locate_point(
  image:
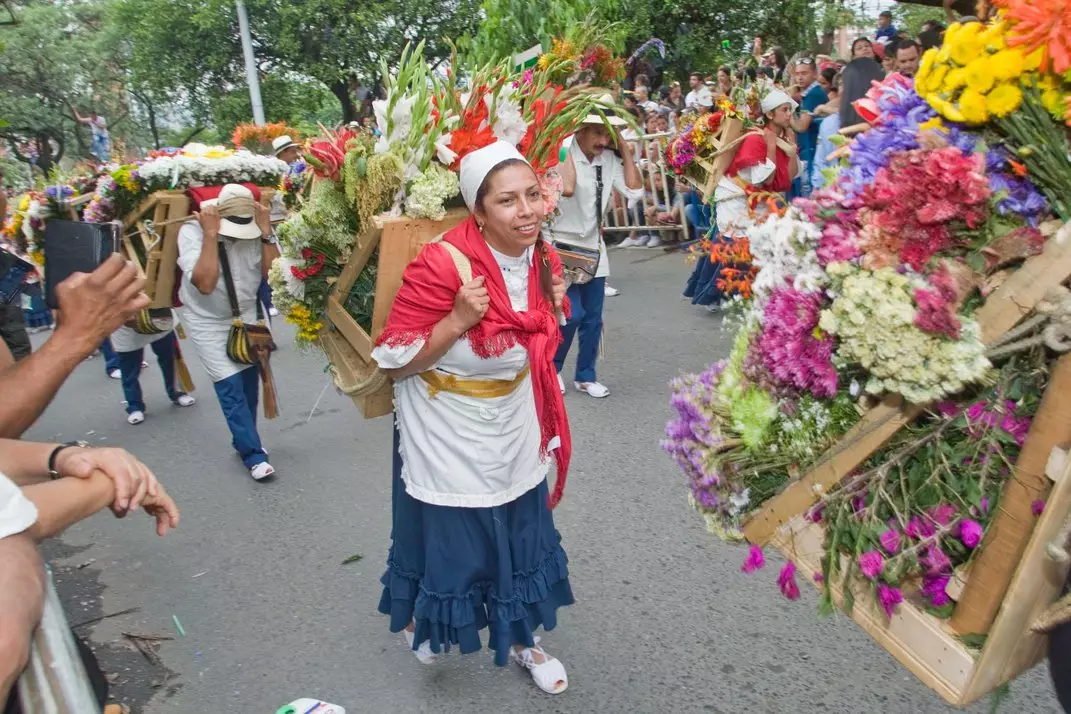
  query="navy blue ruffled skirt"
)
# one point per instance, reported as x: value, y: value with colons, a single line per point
x: 456, y: 571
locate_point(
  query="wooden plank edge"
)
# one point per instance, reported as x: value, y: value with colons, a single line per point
x: 1011, y: 647
x: 342, y: 321
x: 342, y: 356
x: 916, y: 639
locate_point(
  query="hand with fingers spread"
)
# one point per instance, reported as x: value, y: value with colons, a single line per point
x: 94, y: 305
x: 134, y: 482
x: 471, y: 303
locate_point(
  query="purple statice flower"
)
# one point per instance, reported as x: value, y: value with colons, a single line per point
x: 755, y: 560
x: 786, y: 580
x: 935, y: 561
x: 970, y: 533
x: 890, y: 541
x: 934, y: 589
x: 793, y: 350
x: 889, y: 598
x: 871, y: 564
x: 1037, y: 507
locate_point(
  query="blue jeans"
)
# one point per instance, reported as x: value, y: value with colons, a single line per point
x: 238, y: 397
x: 111, y: 358
x: 130, y: 366
x: 264, y: 294
x: 586, y: 301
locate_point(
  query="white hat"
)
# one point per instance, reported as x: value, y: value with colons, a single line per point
x: 607, y: 102
x: 476, y: 166
x: 704, y: 98
x: 775, y: 98
x: 281, y: 143
x: 237, y: 214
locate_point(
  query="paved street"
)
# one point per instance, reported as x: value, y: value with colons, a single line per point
x: 664, y: 621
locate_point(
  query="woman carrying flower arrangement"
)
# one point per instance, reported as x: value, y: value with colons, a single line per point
x: 470, y: 343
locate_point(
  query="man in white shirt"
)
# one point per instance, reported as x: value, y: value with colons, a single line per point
x: 239, y: 226
x: 591, y: 172
x: 695, y: 83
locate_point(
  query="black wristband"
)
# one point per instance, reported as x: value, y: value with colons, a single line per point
x: 52, y: 473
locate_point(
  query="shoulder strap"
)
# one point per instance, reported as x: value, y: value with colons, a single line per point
x: 228, y: 281
x: 461, y: 261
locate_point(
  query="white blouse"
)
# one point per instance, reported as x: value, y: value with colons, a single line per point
x: 465, y: 451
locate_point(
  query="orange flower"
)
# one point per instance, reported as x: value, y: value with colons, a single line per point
x: 1041, y: 24
x: 1017, y: 168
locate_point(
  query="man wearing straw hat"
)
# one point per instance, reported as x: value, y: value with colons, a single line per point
x: 592, y: 170
x: 285, y: 149
x: 224, y: 255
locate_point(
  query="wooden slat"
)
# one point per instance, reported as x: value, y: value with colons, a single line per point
x: 178, y: 207
x: 362, y: 251
x: 1011, y: 648
x: 342, y: 321
x: 877, y: 426
x: 348, y: 363
x: 401, y: 241
x: 1015, y: 299
x: 918, y: 640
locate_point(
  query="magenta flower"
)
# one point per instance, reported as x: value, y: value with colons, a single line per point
x: 935, y: 561
x: 889, y: 598
x: 787, y: 581
x: 755, y: 560
x: 890, y: 540
x: 970, y: 533
x: 934, y: 589
x: 815, y: 514
x: 1037, y: 507
x: 871, y: 563
x: 819, y: 578
x: 917, y: 529
x: 943, y: 514
x: 797, y: 353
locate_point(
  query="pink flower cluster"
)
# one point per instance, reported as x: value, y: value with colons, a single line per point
x: 840, y: 229
x: 983, y: 416
x: 936, y: 305
x: 917, y: 196
x: 793, y: 349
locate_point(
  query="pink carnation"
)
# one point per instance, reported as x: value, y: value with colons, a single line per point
x: 795, y: 352
x: 889, y: 598
x: 755, y: 560
x: 787, y: 581
x: 970, y: 533
x: 871, y: 564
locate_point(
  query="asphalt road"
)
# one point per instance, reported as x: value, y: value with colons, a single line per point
x: 664, y: 620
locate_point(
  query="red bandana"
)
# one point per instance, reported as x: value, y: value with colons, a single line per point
x: 427, y: 296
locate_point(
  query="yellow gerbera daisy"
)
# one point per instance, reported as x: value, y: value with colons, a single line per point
x: 955, y: 79
x: 966, y: 46
x: 1007, y: 64
x: 1003, y: 100
x: 994, y: 37
x: 1033, y: 60
x: 972, y: 105
x: 1054, y: 102
x: 979, y: 75
x: 937, y: 78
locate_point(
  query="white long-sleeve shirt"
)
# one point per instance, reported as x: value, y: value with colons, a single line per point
x: 578, y: 223
x: 17, y: 513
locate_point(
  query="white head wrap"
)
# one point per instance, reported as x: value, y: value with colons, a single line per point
x: 775, y: 98
x: 476, y: 166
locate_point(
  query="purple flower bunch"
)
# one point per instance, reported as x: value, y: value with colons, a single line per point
x: 983, y: 416
x: 1017, y: 194
x: 683, y: 149
x: 794, y: 351
x: 691, y: 434
x: 57, y: 193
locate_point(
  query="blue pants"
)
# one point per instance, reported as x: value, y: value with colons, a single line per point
x: 264, y: 294
x: 130, y: 366
x: 238, y: 397
x: 586, y: 301
x: 111, y: 358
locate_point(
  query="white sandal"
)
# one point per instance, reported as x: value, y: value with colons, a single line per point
x: 549, y: 675
x: 423, y: 653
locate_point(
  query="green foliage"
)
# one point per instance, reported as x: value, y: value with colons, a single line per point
x: 910, y: 18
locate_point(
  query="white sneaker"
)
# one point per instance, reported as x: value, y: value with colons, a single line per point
x: 655, y: 242
x: 185, y: 400
x: 631, y: 242
x: 273, y: 311
x: 561, y: 384
x: 423, y: 653
x: 144, y: 364
x: 135, y: 418
x: 262, y: 471
x: 115, y: 374
x: 610, y: 291
x: 593, y: 389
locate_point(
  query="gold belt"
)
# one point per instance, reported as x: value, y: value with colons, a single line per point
x: 478, y: 388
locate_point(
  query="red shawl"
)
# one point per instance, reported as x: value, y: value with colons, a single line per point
x: 426, y: 296
x: 752, y: 152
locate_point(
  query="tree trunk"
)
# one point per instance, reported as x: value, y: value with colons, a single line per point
x: 341, y: 90
x: 45, y: 158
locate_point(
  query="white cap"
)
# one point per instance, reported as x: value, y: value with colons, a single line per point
x: 775, y: 98
x: 476, y: 166
x: 237, y: 215
x: 704, y: 98
x: 281, y: 143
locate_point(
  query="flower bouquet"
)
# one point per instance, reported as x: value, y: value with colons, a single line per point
x: 886, y: 287
x: 257, y: 138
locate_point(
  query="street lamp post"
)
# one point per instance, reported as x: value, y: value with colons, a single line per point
x: 251, y: 75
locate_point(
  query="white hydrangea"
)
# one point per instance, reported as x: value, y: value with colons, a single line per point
x: 784, y: 249
x: 201, y: 165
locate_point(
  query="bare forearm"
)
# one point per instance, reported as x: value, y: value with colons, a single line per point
x: 443, y: 337
x: 22, y: 594
x: 205, y: 274
x: 31, y: 384
x: 25, y: 462
x: 62, y: 503
x: 269, y: 252
x: 633, y: 179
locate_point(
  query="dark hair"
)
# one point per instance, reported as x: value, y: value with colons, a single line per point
x: 908, y: 44
x: 891, y: 48
x: 751, y: 73
x: 768, y: 72
x: 829, y: 74
x: 545, y: 278
x: 885, y: 13
x: 858, y: 76
x: 727, y: 69
x: 780, y: 58
x: 696, y: 74
x: 646, y: 80
x: 858, y: 40
x: 932, y: 37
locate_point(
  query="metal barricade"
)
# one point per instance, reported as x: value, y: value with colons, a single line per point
x: 55, y: 680
x: 663, y: 192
